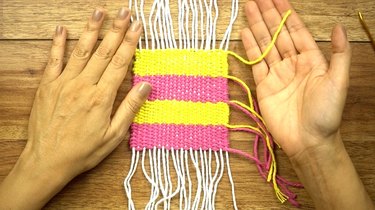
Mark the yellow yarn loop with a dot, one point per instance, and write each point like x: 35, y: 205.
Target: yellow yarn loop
x: 269, y: 47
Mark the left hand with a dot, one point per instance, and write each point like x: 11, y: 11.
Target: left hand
x: 70, y: 127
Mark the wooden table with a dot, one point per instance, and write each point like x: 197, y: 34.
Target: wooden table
x: 25, y: 38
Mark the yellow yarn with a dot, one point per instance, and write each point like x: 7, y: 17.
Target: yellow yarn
x: 269, y: 47
x: 184, y: 112
x: 212, y: 63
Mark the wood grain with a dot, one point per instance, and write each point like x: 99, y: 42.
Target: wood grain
x: 101, y: 187
x: 38, y: 19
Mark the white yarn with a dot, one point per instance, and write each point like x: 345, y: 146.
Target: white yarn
x: 162, y: 185
x: 226, y: 37
x: 231, y: 181
x: 204, y: 178
x: 169, y: 181
x: 194, y: 159
x: 127, y: 186
x: 158, y: 22
x: 221, y: 167
x: 144, y: 23
x: 208, y: 25
x: 165, y: 17
x: 189, y: 179
x: 176, y: 167
x: 214, y: 24
x: 170, y: 22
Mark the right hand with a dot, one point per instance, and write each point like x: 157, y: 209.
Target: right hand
x: 301, y: 96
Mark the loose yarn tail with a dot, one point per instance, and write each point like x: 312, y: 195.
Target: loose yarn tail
x: 268, y: 168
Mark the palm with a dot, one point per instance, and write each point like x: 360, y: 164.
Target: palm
x: 293, y: 98
x: 301, y: 98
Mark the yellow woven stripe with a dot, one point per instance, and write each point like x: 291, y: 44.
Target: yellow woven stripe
x: 183, y: 112
x: 211, y: 63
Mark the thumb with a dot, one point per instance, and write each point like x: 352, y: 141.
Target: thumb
x: 341, y: 57
x: 127, y: 110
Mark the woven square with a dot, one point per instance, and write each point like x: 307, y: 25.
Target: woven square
x: 188, y: 106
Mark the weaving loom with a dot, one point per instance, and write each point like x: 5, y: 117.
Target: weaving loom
x: 186, y: 118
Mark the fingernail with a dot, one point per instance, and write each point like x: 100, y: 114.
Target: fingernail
x: 144, y: 90
x: 135, y: 26
x: 97, y: 15
x: 59, y: 30
x: 123, y: 13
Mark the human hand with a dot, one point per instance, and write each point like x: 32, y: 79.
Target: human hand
x: 70, y: 128
x: 301, y: 96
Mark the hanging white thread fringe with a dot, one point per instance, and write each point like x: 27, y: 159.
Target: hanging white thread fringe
x: 159, y: 176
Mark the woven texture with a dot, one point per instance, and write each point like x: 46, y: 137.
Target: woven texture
x: 187, y: 108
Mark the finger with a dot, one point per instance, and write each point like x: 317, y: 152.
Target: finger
x: 302, y: 39
x: 107, y: 48
x: 260, y: 32
x: 341, y: 57
x: 117, y: 68
x: 82, y: 51
x: 55, y: 63
x: 272, y: 18
x: 127, y: 110
x: 260, y: 70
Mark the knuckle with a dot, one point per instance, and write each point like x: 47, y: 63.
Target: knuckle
x: 264, y: 41
x: 69, y: 96
x: 274, y: 28
x: 117, y: 27
x: 117, y: 135
x: 296, y: 27
x: 288, y: 53
x: 92, y: 27
x: 69, y: 91
x: 80, y: 52
x: 47, y: 91
x: 103, y: 52
x: 130, y: 40
x: 54, y: 62
x: 133, y: 105
x: 57, y: 43
x: 100, y: 98
x: 120, y: 61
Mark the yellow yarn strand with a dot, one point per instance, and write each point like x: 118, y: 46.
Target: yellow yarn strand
x: 246, y: 88
x: 273, y: 168
x: 243, y: 126
x: 269, y: 47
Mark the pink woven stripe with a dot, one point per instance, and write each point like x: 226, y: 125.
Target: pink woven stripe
x: 186, y: 88
x: 179, y: 136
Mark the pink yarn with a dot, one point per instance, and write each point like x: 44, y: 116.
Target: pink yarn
x: 179, y: 137
x: 186, y: 88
